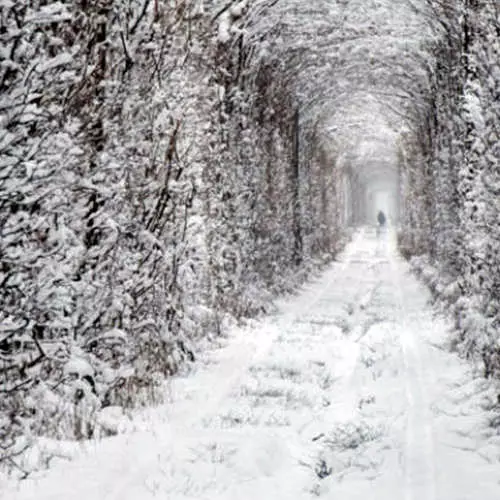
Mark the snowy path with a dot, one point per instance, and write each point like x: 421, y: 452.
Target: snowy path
x: 348, y: 392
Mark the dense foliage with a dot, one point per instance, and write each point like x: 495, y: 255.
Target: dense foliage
x: 149, y: 191
x: 455, y: 218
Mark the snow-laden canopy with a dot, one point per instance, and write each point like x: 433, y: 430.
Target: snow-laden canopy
x: 361, y: 75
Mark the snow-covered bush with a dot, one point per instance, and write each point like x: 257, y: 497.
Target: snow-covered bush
x: 453, y: 208
x: 151, y: 187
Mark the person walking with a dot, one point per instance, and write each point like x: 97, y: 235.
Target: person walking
x: 381, y: 218
x: 381, y: 222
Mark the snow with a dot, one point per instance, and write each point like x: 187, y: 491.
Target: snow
x: 54, y: 62
x: 347, y: 391
x: 111, y: 419
x: 472, y: 104
x: 238, y: 9
x: 78, y: 366
x: 224, y: 34
x: 52, y: 13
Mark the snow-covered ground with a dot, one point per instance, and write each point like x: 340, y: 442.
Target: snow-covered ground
x: 349, y: 391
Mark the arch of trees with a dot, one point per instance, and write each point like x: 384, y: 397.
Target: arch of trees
x: 166, y: 168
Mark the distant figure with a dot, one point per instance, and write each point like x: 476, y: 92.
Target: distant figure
x: 381, y: 218
x: 381, y: 222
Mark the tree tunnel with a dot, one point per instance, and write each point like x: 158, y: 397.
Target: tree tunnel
x: 357, y: 72
x: 168, y: 167
x: 399, y: 107
x: 402, y: 99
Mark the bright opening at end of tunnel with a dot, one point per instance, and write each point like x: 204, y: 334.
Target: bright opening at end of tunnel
x: 372, y: 181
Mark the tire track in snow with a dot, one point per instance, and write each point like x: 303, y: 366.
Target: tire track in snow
x: 419, y: 454
x: 249, y: 349
x: 352, y: 440
x: 197, y: 398
x: 252, y: 423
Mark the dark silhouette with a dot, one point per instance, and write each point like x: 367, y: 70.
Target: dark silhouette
x: 381, y: 218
